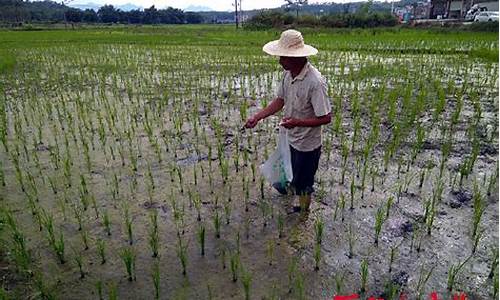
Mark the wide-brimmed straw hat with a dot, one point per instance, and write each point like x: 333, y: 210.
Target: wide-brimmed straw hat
x: 291, y: 43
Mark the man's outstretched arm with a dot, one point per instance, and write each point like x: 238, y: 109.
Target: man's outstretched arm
x: 273, y: 107
x: 312, y: 122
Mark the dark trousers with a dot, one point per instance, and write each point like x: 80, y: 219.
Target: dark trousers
x: 304, y: 167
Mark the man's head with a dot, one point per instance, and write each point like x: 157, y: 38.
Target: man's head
x: 292, y: 63
x: 290, y: 44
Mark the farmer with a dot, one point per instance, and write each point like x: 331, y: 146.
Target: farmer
x: 302, y: 93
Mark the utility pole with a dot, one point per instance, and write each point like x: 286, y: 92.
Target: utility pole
x: 237, y: 7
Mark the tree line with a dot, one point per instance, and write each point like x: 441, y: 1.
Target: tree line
x: 18, y: 11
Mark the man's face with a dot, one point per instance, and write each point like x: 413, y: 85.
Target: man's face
x: 286, y: 62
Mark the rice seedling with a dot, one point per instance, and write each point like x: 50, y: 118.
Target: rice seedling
x: 339, y: 283
x: 291, y: 271
x: 98, y: 286
x: 128, y: 257
x: 351, y: 241
x: 494, y: 262
x: 391, y: 290
x: 495, y: 284
x: 234, y: 265
x: 431, y: 213
x: 154, y: 237
x: 364, y: 275
x: 379, y: 221
x: 156, y: 279
x: 78, y: 212
x: 299, y: 287
x: 422, y: 280
x: 493, y: 179
x: 85, y: 239
x: 353, y: 190
x: 317, y: 256
x: 392, y: 256
x: 217, y: 223
x: 79, y: 261
x: 246, y: 280
x: 128, y: 224
x: 201, y: 238
x: 19, y: 248
x: 478, y: 210
x: 453, y: 273
x: 238, y: 242
x: 101, y: 250
x: 107, y: 223
x: 270, y: 251
x: 222, y: 255
x: 265, y: 210
x: 112, y: 291
x: 422, y: 178
x: 42, y: 290
x: 182, y: 255
x: 280, y: 224
x: 197, y: 205
x: 388, y: 206
x: 318, y: 229
x: 58, y: 246
x: 227, y: 211
x: 478, y: 236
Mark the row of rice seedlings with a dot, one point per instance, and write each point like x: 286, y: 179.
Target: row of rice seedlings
x: 18, y: 244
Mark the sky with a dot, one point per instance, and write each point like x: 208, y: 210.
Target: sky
x: 220, y: 5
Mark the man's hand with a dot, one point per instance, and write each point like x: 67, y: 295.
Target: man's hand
x: 251, y: 122
x: 290, y: 123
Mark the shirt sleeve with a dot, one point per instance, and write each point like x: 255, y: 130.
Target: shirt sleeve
x: 319, y: 99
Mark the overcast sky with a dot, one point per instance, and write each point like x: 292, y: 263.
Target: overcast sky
x: 214, y: 4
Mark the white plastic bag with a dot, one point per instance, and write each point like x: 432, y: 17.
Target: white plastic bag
x: 278, y: 167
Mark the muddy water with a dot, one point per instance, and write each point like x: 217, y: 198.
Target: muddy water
x: 449, y: 242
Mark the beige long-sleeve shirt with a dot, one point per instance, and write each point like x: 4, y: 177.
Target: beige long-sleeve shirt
x: 305, y: 97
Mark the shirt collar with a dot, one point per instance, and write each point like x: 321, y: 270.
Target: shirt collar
x: 302, y: 73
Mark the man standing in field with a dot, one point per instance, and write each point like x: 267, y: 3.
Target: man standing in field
x: 302, y: 93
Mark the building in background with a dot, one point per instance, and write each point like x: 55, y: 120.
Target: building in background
x: 457, y: 9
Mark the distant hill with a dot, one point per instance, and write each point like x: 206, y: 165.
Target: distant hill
x: 129, y: 7
x: 95, y: 6
x: 197, y: 8
x: 90, y: 5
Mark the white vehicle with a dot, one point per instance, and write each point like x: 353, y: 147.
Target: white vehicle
x: 473, y: 11
x: 486, y: 16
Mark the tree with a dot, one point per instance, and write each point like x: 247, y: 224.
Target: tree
x: 73, y: 15
x: 151, y: 15
x: 295, y: 4
x: 90, y: 16
x: 193, y: 18
x: 108, y: 14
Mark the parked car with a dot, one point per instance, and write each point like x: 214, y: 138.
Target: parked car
x: 474, y: 11
x: 486, y: 16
